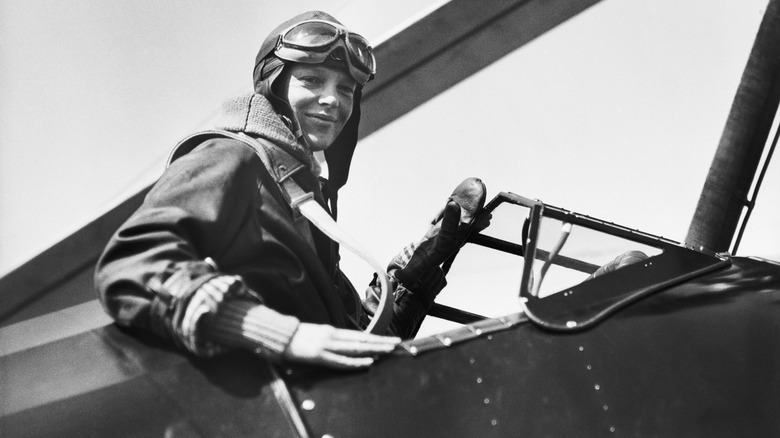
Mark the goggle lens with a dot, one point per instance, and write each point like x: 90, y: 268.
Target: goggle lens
x: 311, y: 35
x: 359, y: 48
x: 320, y: 36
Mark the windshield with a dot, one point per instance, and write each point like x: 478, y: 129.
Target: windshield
x: 563, y: 269
x: 567, y: 254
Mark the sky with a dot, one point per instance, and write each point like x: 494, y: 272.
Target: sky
x: 94, y: 94
x: 601, y: 115
x: 616, y: 113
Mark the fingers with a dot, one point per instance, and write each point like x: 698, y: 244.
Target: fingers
x: 337, y: 348
x: 446, y: 241
x: 368, y: 338
x: 354, y: 343
x: 355, y: 349
x: 449, y: 222
x: 345, y: 362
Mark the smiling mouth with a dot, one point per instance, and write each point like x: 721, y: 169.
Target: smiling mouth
x: 323, y: 118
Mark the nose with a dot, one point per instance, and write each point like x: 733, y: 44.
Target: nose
x: 329, y: 96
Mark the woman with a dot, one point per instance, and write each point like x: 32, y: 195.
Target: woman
x: 216, y: 258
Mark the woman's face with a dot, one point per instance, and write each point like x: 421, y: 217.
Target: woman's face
x: 321, y: 102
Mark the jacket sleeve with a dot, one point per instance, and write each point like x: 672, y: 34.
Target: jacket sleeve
x: 156, y: 272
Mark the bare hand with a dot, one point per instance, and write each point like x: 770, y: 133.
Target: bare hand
x: 336, y: 348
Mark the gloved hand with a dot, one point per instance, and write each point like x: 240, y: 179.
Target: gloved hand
x: 422, y: 268
x: 417, y: 268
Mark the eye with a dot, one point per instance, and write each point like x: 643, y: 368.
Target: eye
x: 311, y: 80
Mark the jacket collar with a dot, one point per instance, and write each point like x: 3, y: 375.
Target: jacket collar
x: 254, y: 115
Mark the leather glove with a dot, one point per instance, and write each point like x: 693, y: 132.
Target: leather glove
x: 422, y: 270
x: 417, y: 268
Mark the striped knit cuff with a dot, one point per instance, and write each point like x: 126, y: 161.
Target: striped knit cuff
x: 246, y: 324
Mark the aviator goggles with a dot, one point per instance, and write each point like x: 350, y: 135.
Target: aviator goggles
x: 313, y: 41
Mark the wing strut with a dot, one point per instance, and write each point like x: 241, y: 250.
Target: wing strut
x: 725, y: 192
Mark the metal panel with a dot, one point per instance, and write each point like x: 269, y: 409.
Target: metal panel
x: 698, y: 359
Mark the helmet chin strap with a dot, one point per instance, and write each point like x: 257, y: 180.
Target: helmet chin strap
x: 295, y: 128
x: 319, y: 165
